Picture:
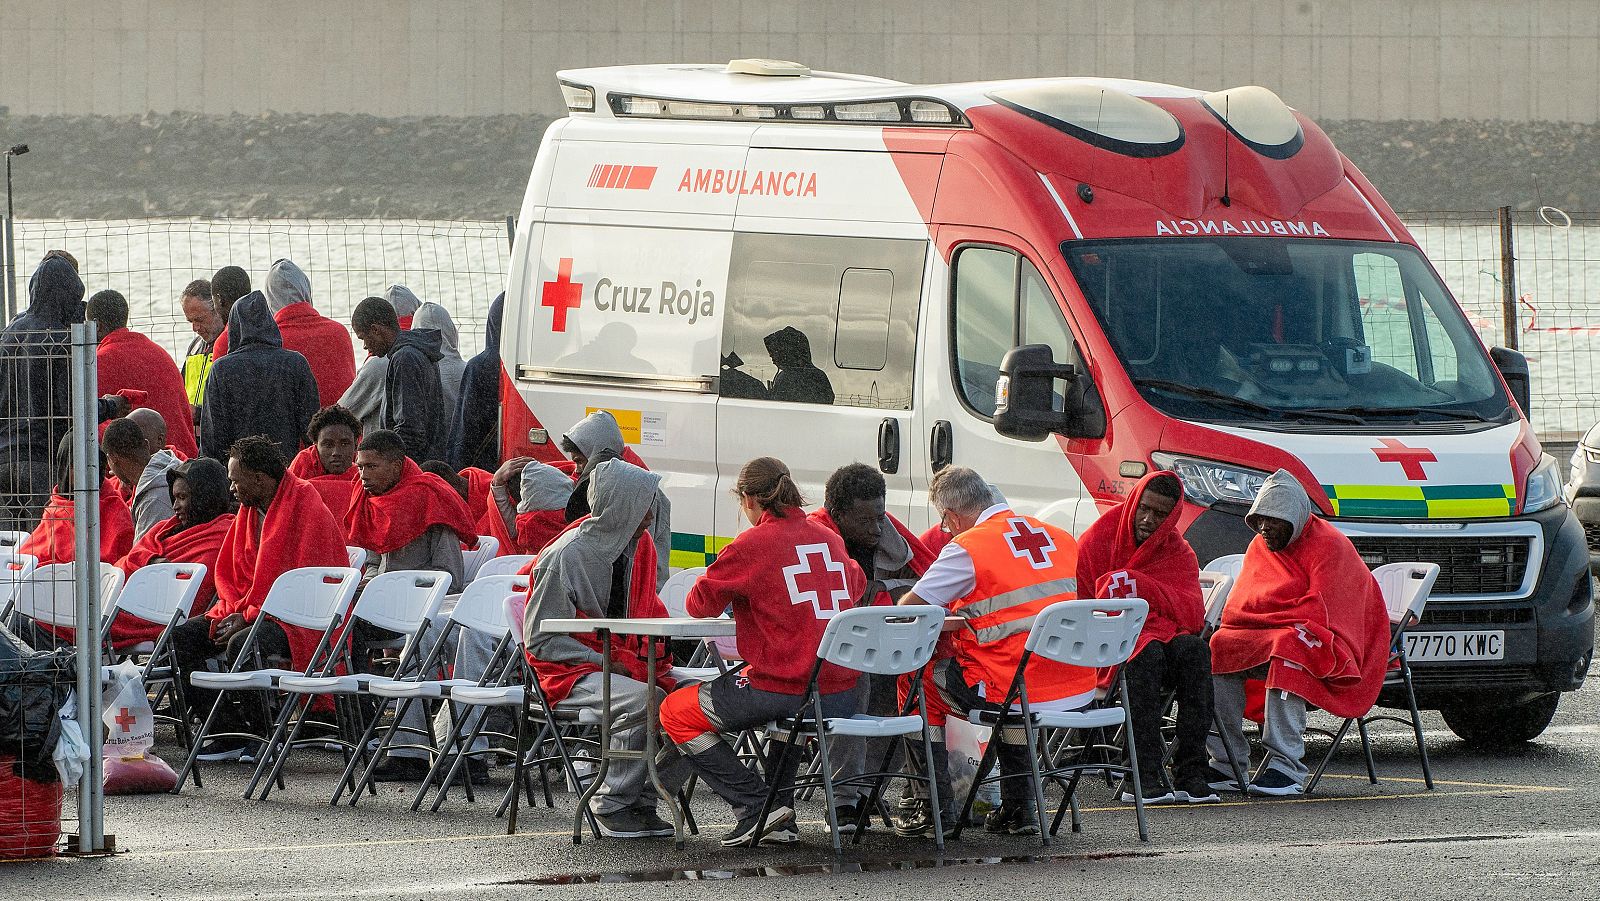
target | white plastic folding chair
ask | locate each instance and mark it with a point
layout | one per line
(46, 595)
(1097, 634)
(311, 597)
(14, 569)
(402, 601)
(1214, 590)
(1405, 587)
(163, 594)
(473, 560)
(885, 641)
(357, 557)
(1223, 573)
(506, 565)
(12, 540)
(674, 597)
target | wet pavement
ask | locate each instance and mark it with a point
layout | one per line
(1519, 825)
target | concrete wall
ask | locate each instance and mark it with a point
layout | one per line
(1337, 59)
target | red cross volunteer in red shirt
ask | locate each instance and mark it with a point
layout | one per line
(998, 571)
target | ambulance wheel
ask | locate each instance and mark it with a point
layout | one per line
(1494, 723)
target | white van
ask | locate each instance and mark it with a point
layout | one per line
(759, 259)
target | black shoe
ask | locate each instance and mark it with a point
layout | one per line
(1155, 791)
(401, 769)
(478, 770)
(633, 822)
(1220, 780)
(744, 833)
(1276, 784)
(238, 748)
(1195, 790)
(918, 821)
(1011, 818)
(846, 814)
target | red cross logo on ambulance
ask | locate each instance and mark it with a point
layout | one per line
(1025, 541)
(561, 295)
(817, 579)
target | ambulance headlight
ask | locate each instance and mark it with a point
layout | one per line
(1543, 490)
(1206, 482)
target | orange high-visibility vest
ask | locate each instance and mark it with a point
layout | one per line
(1022, 566)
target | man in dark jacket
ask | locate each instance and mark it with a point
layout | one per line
(259, 388)
(475, 430)
(413, 396)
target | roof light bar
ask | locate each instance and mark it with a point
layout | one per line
(915, 111)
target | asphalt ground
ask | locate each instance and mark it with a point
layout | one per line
(1515, 824)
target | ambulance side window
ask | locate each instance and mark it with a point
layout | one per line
(985, 325)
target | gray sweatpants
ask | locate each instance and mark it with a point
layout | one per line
(627, 781)
(1282, 733)
(473, 653)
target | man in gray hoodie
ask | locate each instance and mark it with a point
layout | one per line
(587, 572)
(142, 469)
(595, 439)
(432, 316)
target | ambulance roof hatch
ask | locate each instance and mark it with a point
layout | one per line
(767, 67)
(1258, 118)
(1096, 114)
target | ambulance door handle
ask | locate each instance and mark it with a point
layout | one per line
(889, 445)
(941, 446)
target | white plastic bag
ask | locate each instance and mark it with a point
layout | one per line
(72, 750)
(130, 724)
(966, 744)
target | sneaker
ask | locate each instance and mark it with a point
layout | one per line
(846, 814)
(216, 750)
(401, 769)
(744, 832)
(918, 821)
(1155, 791)
(633, 822)
(1012, 819)
(1220, 780)
(1195, 790)
(784, 833)
(1276, 784)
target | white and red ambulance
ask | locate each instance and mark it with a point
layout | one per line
(759, 259)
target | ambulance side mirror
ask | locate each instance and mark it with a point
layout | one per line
(1027, 403)
(1513, 368)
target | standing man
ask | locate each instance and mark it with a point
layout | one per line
(323, 342)
(259, 388)
(228, 284)
(475, 431)
(125, 360)
(1134, 551)
(201, 312)
(413, 397)
(998, 571)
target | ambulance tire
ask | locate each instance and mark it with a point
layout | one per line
(1493, 723)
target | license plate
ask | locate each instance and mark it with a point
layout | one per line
(1422, 647)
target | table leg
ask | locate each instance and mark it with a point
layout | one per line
(651, 718)
(605, 737)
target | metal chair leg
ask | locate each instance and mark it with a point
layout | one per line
(1366, 750)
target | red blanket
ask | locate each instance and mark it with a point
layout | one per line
(219, 346)
(419, 501)
(1316, 614)
(54, 539)
(921, 556)
(338, 491)
(535, 529)
(324, 343)
(296, 531)
(126, 359)
(170, 542)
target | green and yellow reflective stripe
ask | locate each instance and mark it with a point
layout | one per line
(1422, 502)
(690, 549)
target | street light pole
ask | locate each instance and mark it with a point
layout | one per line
(9, 296)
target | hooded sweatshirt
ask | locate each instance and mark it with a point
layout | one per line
(404, 302)
(259, 388)
(599, 438)
(1312, 611)
(152, 497)
(125, 359)
(323, 342)
(798, 379)
(451, 366)
(475, 429)
(413, 398)
(364, 397)
(589, 571)
(541, 514)
(35, 371)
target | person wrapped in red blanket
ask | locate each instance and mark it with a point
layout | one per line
(126, 359)
(1134, 551)
(527, 504)
(282, 524)
(200, 521)
(1306, 611)
(329, 462)
(601, 568)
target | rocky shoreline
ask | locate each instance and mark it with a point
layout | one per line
(331, 166)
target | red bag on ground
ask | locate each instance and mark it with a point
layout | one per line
(30, 815)
(130, 768)
(146, 774)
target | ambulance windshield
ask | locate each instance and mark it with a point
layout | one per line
(1299, 332)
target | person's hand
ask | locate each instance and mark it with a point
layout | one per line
(225, 628)
(120, 404)
(510, 468)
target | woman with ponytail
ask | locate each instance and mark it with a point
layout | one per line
(784, 578)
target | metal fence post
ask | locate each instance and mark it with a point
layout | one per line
(8, 297)
(86, 580)
(1508, 279)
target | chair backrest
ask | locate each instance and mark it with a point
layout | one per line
(472, 561)
(357, 556)
(482, 607)
(504, 566)
(311, 596)
(45, 596)
(1406, 587)
(1214, 588)
(399, 601)
(886, 641)
(155, 590)
(1094, 633)
(13, 540)
(675, 594)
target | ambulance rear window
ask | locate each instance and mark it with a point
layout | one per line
(1107, 118)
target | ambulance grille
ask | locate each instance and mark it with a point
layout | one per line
(1591, 533)
(1489, 564)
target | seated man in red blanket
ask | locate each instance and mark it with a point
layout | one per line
(54, 539)
(282, 524)
(198, 491)
(1135, 551)
(1308, 616)
(329, 463)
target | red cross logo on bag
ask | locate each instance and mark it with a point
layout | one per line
(1035, 545)
(818, 580)
(125, 720)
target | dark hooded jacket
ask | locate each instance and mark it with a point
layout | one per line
(35, 367)
(258, 388)
(413, 396)
(798, 379)
(475, 429)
